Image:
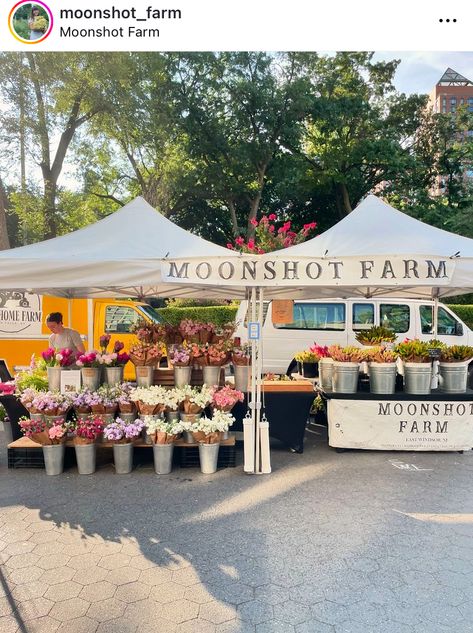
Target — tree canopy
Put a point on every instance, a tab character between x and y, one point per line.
214	140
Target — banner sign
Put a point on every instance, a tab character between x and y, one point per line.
20	312
393	425
348	271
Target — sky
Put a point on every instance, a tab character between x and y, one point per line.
420	71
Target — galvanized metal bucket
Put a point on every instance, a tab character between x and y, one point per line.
123	458
382	377
453	377
114	375
128	417
85	457
211	375
54	378
182	376
345	377
144	376
91	377
172	416
163	458
326	373
242	377
54	458
208	454
417	378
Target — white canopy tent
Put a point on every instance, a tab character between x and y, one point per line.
375	250
119	255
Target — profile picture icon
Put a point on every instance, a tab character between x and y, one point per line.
30	22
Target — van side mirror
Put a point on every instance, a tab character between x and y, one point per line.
458	328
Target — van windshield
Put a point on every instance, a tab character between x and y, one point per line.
151	314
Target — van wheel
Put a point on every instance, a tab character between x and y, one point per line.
292	368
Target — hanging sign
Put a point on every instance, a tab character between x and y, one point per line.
254	330
282	311
274	270
20	314
408	425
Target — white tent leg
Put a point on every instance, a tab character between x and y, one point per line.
434	383
262	444
250	435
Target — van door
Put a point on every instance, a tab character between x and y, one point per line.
399	317
321	322
450	329
362	317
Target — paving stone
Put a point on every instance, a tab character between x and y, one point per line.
186	577
123	576
314	626
235	626
197	593
132	592
97	591
43	625
25	575
255	611
22	560
217	613
57	575
51	561
329	612
90	575
365	613
233	593
69	609
78	625
292	612
180	611
20	547
35	608
110	609
17	536
143	611
5	606
272	594
107	548
275	626
195	626
84	561
120	625
155	576
140	562
29	590
114	561
159	624
306	594
63	591
8	624
168	592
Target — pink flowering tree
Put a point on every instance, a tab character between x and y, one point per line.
270	238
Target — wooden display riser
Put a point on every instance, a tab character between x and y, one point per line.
24	453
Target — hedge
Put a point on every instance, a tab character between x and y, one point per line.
208	314
465	313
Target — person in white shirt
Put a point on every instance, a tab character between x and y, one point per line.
61	336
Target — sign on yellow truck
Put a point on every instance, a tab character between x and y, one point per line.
23	330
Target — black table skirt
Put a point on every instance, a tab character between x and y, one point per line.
287	414
15	410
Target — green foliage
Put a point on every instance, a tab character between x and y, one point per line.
219	315
3	413
36	378
375	335
306	356
456	353
465	313
414	351
21	28
195	303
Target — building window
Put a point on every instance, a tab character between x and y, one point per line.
470	104
453	104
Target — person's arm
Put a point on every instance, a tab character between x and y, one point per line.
78	342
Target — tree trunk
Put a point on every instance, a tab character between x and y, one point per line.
346	198
4	239
232	207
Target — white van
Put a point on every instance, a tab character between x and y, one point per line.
337	321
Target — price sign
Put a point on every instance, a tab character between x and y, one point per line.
434	352
254	331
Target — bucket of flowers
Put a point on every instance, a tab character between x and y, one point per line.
81	402
90	369
126	406
209	433
86	433
52	437
56	360
241	358
113	361
103	402
122	434
193	401
163	435
180	357
151	403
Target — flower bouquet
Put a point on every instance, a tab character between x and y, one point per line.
121	432
196	332
81	402
180	355
149	400
58	358
241	355
146	354
88	430
225	399
163	432
39	24
194	400
376	335
42	432
125	403
7	388
104	400
89	359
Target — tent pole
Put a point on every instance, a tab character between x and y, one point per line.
262	423
434	383
259	315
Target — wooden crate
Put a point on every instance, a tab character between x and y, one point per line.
287	385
